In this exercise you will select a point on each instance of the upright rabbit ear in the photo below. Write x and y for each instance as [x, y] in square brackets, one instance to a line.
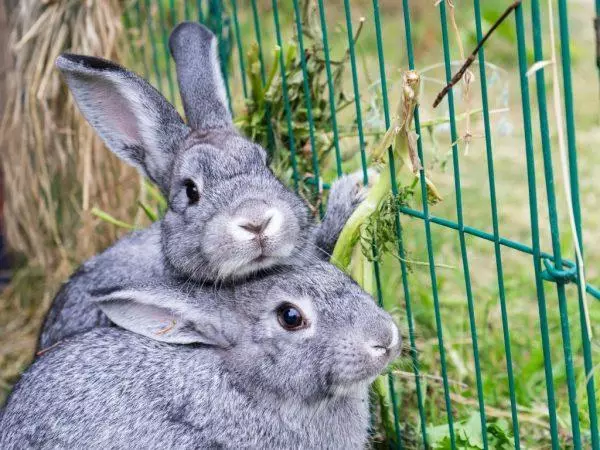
[135, 121]
[165, 314]
[194, 49]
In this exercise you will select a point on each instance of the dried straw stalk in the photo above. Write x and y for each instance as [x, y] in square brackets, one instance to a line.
[55, 169]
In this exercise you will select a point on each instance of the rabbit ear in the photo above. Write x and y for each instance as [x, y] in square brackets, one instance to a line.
[135, 121]
[194, 49]
[163, 314]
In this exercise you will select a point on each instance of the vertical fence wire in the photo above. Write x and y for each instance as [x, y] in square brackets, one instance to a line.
[166, 53]
[526, 108]
[140, 26]
[535, 250]
[363, 157]
[157, 71]
[286, 99]
[574, 184]
[398, 229]
[461, 232]
[359, 124]
[496, 228]
[428, 237]
[553, 218]
[187, 14]
[330, 87]
[217, 9]
[173, 12]
[263, 76]
[308, 104]
[200, 12]
[240, 47]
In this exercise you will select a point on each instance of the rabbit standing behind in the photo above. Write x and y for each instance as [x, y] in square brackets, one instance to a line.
[282, 361]
[228, 216]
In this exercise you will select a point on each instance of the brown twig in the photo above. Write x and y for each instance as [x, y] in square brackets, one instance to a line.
[47, 349]
[456, 78]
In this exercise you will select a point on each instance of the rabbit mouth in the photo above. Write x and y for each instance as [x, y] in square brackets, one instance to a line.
[256, 264]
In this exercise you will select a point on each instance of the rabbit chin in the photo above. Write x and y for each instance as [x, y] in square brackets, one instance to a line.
[254, 261]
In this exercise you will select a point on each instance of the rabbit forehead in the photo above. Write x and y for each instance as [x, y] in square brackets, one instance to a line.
[219, 159]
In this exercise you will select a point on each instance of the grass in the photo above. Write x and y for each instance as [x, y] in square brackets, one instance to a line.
[509, 160]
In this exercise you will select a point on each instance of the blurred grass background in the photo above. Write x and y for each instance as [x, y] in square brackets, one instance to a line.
[56, 171]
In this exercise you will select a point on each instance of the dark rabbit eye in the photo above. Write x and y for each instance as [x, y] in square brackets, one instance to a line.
[290, 317]
[191, 191]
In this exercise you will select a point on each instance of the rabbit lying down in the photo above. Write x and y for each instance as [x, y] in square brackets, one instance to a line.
[228, 216]
[282, 361]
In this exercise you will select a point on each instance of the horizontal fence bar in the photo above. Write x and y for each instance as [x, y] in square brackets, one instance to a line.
[592, 290]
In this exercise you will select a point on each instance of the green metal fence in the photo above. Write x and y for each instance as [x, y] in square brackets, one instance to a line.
[414, 410]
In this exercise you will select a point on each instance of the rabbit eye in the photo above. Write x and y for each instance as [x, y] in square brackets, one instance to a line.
[290, 317]
[191, 191]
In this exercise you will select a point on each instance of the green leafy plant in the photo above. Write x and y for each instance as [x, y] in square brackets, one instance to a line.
[468, 435]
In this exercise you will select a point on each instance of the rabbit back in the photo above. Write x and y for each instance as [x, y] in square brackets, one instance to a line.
[133, 260]
[112, 388]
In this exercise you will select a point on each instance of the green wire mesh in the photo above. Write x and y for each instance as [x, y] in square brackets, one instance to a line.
[242, 25]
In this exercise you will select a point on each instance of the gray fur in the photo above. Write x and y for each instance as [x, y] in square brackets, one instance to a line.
[256, 386]
[133, 261]
[194, 240]
[135, 121]
[345, 195]
[202, 91]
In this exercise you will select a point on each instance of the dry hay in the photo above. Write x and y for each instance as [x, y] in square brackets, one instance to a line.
[55, 169]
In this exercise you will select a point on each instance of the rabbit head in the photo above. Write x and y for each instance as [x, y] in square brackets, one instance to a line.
[308, 333]
[228, 215]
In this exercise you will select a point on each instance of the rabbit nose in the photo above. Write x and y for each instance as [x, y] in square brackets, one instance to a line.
[256, 227]
[386, 343]
[246, 228]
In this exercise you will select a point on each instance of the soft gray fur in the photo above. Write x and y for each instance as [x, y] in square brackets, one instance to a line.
[202, 91]
[245, 220]
[133, 261]
[344, 196]
[243, 382]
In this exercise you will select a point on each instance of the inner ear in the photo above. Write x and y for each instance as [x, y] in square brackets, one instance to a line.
[135, 121]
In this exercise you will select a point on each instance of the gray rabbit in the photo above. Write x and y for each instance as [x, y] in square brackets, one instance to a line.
[228, 216]
[281, 361]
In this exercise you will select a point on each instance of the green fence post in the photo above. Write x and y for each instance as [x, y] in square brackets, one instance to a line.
[461, 233]
[496, 228]
[574, 183]
[238, 40]
[166, 52]
[398, 226]
[286, 100]
[552, 212]
[427, 223]
[522, 57]
[334, 126]
[157, 71]
[308, 104]
[270, 135]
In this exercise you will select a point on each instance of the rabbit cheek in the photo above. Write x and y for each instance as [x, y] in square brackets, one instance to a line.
[358, 362]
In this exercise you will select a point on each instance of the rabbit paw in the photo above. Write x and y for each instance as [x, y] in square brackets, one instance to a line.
[351, 190]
